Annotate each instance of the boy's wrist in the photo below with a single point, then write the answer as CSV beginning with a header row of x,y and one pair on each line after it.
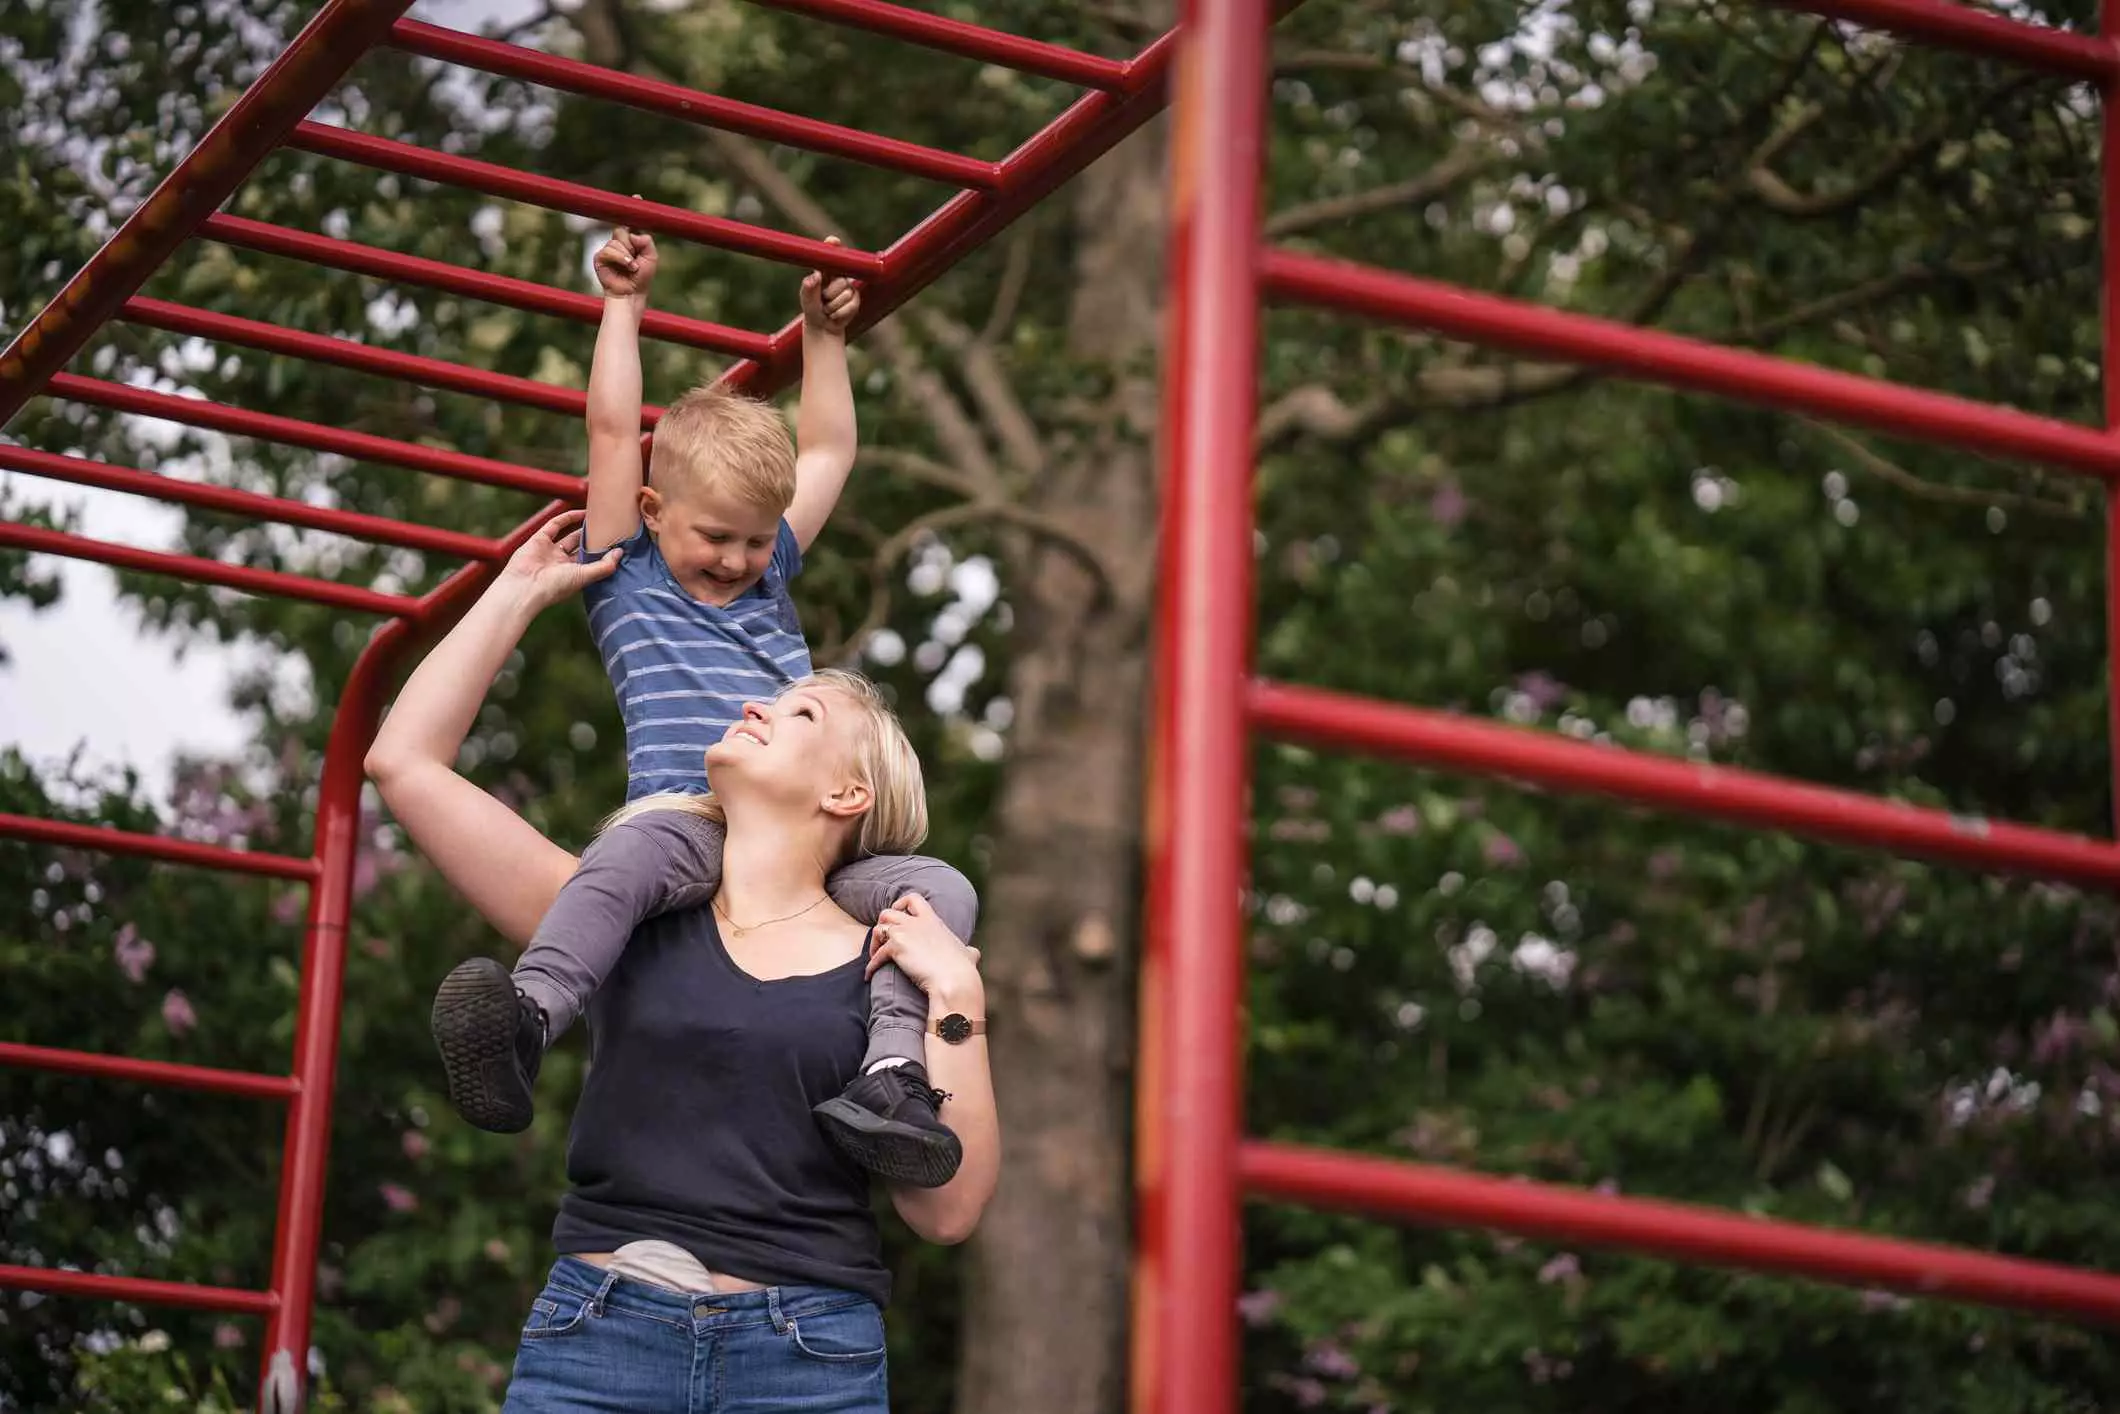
x,y
631,304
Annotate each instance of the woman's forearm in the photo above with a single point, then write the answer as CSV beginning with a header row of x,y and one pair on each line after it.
x,y
950,1213
496,859
439,702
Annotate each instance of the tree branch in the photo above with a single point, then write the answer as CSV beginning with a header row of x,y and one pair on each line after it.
x,y
1456,165
1893,474
1015,276
992,391
895,548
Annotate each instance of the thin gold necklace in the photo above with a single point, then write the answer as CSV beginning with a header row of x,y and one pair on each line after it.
x,y
739,929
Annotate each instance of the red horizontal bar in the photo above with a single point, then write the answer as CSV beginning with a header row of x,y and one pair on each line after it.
x,y
380,529
199,570
98,839
346,353
555,195
139,1289
1692,364
672,100
1440,1196
1446,740
930,31
525,295
1978,32
152,1072
270,427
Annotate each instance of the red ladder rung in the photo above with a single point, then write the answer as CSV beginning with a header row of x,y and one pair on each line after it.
x,y
347,353
386,155
1433,1195
140,1289
690,105
1693,365
270,427
1978,32
39,541
1450,741
100,839
252,1084
526,295
378,529
968,41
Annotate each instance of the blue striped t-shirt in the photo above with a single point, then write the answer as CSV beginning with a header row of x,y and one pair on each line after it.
x,y
682,669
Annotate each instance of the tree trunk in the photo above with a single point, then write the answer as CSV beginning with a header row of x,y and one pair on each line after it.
x,y
1047,1281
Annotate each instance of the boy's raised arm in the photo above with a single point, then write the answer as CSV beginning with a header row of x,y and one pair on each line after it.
x,y
625,267
825,433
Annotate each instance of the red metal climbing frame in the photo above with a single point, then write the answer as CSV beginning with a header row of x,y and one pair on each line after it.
x,y
1194,1163
273,113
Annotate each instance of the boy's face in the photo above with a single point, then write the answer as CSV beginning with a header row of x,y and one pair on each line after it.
x,y
715,545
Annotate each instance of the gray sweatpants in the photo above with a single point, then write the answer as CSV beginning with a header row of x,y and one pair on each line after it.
x,y
671,859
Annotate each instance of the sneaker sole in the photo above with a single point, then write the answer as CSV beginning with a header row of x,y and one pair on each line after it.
x,y
474,1023
889,1150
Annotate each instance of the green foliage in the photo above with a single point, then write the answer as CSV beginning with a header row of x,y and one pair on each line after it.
x,y
1557,988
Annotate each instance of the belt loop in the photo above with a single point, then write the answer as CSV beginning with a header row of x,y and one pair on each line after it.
x,y
780,1322
596,1302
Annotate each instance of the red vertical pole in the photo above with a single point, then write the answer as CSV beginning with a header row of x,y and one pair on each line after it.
x,y
2109,219
1185,1347
316,1036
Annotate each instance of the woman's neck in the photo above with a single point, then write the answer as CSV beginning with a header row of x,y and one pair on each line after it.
x,y
767,871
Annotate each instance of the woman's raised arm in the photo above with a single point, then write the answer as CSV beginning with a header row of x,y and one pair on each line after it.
x,y
492,856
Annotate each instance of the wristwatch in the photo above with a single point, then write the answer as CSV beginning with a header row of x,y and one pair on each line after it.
x,y
957,1028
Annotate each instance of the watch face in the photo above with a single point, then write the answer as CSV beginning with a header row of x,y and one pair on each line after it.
x,y
954,1029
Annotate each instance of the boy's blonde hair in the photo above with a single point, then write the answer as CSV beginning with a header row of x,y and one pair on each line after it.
x,y
712,439
896,821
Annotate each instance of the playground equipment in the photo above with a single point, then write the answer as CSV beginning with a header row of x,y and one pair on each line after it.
x,y
1194,1165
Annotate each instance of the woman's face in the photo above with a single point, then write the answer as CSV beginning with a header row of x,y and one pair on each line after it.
x,y
796,746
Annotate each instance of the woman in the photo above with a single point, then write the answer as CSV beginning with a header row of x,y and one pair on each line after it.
x,y
715,1250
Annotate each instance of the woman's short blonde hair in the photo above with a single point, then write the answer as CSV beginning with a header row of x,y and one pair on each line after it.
x,y
896,821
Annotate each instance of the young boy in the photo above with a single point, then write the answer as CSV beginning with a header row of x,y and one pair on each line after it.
x,y
696,621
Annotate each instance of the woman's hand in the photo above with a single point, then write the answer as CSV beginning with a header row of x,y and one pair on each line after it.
x,y
937,960
546,569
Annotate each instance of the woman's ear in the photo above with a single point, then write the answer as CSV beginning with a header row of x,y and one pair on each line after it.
x,y
849,800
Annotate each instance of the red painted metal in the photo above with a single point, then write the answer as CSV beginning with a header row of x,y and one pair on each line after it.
x,y
380,529
98,839
268,239
1191,1108
933,31
692,106
39,541
385,155
347,353
1689,364
270,427
139,1289
1089,128
316,1039
151,1072
1431,1195
1452,742
254,125
1949,24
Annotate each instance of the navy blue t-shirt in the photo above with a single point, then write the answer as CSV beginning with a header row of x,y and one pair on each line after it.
x,y
694,1125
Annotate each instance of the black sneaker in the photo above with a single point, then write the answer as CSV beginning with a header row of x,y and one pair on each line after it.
x,y
886,1123
492,1039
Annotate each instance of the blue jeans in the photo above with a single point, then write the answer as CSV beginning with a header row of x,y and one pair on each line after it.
x,y
597,1343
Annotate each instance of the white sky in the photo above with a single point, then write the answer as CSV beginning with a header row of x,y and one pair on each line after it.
x,y
82,672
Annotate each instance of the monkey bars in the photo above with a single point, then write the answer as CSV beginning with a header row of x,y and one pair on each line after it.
x,y
273,114
1194,1164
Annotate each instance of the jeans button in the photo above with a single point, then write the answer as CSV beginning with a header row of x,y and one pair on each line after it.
x,y
701,1311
